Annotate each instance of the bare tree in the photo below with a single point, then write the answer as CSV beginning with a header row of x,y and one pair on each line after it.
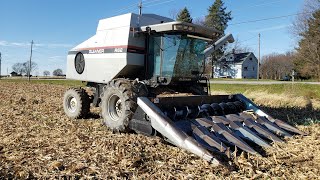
x,y
300,24
276,66
18,68
173,13
46,73
237,47
199,20
29,69
57,72
23,68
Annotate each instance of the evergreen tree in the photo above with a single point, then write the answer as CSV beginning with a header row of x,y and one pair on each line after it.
x,y
184,16
307,61
218,17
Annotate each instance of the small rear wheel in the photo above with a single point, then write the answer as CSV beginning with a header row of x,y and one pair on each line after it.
x,y
76,103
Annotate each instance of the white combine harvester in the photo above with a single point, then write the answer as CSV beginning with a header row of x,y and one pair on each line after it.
x,y
146,75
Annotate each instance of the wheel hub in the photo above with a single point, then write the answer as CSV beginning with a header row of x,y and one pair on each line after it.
x,y
119,107
114,107
72,104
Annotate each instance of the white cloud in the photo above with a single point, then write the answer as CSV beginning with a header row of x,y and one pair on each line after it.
x,y
13,44
55,45
271,28
16,44
3,43
56,57
24,44
39,45
60,45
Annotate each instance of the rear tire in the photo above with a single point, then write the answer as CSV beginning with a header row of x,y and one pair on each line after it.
x,y
76,103
118,104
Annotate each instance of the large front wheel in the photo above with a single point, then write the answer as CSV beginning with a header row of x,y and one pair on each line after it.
x,y
118,105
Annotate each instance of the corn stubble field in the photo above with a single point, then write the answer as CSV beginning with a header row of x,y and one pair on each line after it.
x,y
37,140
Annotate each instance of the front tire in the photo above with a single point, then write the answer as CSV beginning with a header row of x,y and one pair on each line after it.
x,y
118,104
76,103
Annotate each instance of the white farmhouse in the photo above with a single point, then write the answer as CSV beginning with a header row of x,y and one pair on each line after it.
x,y
237,66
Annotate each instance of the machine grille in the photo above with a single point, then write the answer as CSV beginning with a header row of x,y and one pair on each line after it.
x,y
79,63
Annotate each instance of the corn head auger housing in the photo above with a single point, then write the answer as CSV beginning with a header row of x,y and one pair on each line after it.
x,y
145,72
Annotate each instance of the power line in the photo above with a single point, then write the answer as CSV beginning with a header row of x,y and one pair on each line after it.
x,y
258,5
254,5
144,3
125,9
265,19
132,6
248,39
162,2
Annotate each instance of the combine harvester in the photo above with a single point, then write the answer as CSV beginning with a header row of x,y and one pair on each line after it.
x,y
146,74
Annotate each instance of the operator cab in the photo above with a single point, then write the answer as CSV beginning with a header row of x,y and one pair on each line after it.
x,y
175,51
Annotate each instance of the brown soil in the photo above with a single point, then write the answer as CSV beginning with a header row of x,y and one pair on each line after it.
x,y
38,141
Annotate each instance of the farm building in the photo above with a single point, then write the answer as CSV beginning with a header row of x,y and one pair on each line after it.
x,y
236,65
14,74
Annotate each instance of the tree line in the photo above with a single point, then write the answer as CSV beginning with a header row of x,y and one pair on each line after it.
x,y
26,68
305,58
56,72
307,27
277,66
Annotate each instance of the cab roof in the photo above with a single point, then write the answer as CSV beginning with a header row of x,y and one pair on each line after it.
x,y
183,27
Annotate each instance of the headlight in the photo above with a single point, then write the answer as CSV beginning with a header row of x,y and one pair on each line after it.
x,y
180,27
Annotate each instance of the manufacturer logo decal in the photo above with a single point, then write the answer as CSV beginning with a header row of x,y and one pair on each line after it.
x,y
96,51
118,50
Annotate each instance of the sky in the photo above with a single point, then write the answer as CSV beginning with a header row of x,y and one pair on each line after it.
x,y
56,26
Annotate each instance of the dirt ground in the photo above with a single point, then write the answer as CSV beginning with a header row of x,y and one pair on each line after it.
x,y
38,141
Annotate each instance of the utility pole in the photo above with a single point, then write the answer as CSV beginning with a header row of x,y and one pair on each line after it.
x,y
258,73
140,7
0,65
29,71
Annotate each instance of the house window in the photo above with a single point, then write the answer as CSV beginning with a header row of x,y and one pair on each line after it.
x,y
230,58
245,68
253,68
251,58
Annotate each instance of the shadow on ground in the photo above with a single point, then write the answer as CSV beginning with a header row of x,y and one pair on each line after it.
x,y
295,115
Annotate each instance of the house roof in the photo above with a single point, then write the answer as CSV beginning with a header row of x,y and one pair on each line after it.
x,y
241,56
236,58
